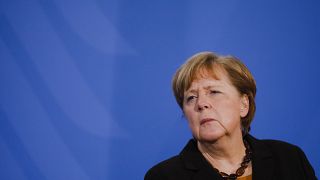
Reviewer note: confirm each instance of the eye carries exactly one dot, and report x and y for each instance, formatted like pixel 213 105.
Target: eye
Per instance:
pixel 214 92
pixel 190 98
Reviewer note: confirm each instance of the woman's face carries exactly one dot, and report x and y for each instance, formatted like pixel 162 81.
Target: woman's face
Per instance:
pixel 214 108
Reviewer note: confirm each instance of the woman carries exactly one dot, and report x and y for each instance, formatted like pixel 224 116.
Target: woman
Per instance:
pixel 217 97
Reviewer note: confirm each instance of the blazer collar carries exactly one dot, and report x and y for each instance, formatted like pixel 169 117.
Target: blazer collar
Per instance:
pixel 262 161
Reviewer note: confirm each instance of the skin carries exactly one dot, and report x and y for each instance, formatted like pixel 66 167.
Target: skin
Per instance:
pixel 213 108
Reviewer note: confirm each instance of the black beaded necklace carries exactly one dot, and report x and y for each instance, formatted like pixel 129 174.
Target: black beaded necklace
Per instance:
pixel 244 164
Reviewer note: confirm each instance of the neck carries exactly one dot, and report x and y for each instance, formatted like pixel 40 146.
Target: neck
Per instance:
pixel 225 154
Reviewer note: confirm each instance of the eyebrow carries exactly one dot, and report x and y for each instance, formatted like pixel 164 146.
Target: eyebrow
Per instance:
pixel 206 88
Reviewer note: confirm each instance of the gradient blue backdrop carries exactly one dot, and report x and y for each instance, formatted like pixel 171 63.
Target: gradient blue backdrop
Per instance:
pixel 85 85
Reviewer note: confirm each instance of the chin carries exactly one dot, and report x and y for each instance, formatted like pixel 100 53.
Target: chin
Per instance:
pixel 210 137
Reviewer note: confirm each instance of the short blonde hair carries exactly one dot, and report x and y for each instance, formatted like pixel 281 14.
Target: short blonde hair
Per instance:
pixel 238 74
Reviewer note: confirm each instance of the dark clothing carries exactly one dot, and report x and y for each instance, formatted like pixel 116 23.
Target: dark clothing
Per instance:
pixel 271 160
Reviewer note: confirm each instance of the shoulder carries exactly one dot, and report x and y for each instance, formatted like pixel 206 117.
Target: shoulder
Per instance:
pixel 289 153
pixel 287 158
pixel 280 147
pixel 276 147
pixel 177 167
pixel 164 168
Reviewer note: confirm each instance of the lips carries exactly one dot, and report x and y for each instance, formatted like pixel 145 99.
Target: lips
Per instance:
pixel 203 121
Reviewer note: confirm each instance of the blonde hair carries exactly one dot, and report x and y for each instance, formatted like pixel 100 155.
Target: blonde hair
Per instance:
pixel 238 74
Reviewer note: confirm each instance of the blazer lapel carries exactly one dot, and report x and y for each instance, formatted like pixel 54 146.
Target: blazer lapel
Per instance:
pixel 195 162
pixel 262 160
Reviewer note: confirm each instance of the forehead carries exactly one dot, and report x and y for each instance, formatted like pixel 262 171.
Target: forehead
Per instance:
pixel 207 80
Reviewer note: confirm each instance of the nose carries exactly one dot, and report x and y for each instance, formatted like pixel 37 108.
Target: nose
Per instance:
pixel 203 103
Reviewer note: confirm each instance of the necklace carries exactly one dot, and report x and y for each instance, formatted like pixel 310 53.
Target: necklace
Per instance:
pixel 244 164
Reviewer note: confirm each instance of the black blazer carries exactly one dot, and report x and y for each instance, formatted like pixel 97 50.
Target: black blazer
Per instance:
pixel 271 160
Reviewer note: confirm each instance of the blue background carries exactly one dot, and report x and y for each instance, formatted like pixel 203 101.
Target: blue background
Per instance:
pixel 86 85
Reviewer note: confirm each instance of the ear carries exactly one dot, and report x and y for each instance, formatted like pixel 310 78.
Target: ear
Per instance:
pixel 244 106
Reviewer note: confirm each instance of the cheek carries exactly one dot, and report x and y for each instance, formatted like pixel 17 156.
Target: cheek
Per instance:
pixel 193 127
pixel 188 112
pixel 230 111
pixel 191 118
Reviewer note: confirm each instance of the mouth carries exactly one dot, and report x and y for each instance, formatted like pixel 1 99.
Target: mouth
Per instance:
pixel 203 121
